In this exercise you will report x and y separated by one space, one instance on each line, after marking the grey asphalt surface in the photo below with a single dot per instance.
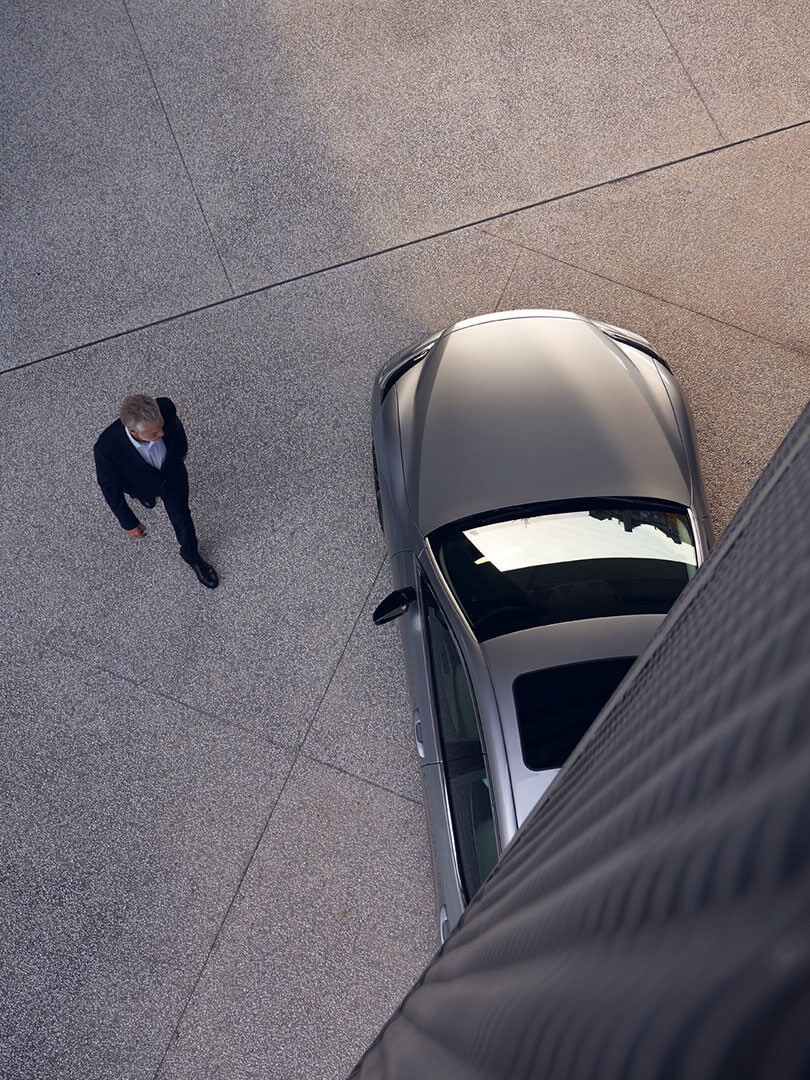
214 860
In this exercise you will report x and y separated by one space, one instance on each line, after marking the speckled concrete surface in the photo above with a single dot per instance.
724 235
128 821
100 228
331 896
392 121
363 724
747 61
213 850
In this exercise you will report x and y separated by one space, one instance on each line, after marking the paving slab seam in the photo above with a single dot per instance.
509 276
686 71
309 756
789 347
218 933
349 636
89 666
404 245
298 754
177 145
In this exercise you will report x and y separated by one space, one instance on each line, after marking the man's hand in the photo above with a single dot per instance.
138 532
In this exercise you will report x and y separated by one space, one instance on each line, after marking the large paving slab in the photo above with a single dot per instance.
363 725
100 228
725 235
315 132
328 933
747 61
127 824
745 391
275 392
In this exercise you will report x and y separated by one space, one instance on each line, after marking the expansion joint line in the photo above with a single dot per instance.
413 243
179 151
686 71
296 757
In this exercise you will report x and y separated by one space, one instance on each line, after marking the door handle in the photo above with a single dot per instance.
417 733
443 935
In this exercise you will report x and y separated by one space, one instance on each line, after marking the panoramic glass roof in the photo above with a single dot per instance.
556 706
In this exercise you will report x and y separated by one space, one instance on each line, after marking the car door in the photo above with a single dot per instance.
453 765
405 575
457 786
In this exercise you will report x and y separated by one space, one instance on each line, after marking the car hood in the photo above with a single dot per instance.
534 407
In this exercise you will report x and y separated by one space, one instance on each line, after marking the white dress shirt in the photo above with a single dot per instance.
154 453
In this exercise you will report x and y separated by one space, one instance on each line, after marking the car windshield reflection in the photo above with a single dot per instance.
583 562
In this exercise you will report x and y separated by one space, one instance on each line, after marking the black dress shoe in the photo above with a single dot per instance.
206 574
148 503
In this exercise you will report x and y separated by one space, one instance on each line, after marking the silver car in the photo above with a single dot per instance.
540 495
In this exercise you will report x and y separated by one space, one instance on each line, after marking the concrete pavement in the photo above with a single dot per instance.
214 862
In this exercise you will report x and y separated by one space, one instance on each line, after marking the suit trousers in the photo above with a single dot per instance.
176 503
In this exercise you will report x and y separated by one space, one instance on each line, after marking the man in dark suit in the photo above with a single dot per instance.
141 454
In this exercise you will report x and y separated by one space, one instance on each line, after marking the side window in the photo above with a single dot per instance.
455 709
462 751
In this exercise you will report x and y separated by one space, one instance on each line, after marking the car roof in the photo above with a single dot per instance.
512 655
527 407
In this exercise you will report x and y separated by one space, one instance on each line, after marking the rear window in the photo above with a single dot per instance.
556 706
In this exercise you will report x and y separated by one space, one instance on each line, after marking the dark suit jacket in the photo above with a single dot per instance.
120 468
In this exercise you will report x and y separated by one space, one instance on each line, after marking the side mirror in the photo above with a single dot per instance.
394 605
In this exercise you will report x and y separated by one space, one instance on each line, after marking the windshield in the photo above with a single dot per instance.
605 558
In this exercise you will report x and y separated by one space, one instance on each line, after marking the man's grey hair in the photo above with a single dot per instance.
139 410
